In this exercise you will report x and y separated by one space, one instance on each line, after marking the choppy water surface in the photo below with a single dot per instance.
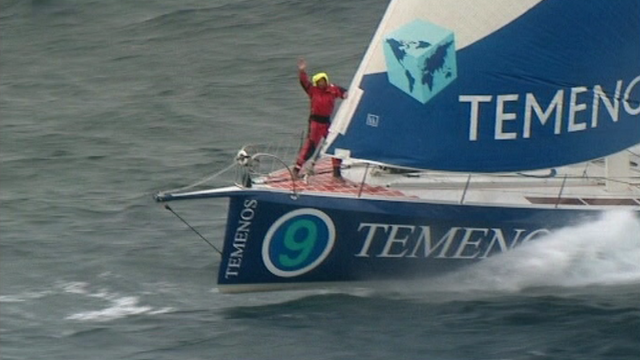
103 103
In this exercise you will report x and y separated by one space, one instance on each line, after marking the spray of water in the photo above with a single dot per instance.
605 252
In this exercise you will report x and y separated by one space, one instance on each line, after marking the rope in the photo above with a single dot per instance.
191 227
632 153
203 180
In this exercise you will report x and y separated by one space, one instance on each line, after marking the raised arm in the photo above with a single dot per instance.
302 74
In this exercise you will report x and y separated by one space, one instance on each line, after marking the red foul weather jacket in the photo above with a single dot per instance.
322 100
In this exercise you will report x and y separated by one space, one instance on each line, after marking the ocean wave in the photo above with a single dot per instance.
118 307
583 259
603 252
23 297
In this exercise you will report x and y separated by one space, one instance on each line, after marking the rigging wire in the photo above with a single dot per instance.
633 153
166 206
203 180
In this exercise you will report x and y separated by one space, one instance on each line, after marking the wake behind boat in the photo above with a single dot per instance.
465 134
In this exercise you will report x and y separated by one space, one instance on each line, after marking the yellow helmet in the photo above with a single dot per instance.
319 76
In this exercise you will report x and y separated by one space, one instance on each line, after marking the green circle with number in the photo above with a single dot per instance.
298 242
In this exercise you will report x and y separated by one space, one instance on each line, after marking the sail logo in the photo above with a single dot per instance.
580 108
298 242
421 59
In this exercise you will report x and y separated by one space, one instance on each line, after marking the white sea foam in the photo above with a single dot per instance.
118 306
75 287
26 296
603 252
600 253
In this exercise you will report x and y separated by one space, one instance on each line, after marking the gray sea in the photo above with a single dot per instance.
103 103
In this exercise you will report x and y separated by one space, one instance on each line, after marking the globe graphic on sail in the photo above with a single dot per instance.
421 59
429 67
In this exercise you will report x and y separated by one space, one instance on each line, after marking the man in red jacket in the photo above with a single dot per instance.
323 96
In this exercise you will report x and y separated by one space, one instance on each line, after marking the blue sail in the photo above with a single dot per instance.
556 84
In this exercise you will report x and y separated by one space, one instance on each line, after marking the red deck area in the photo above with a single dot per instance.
322 181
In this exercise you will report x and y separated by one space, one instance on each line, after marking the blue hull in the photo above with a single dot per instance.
275 241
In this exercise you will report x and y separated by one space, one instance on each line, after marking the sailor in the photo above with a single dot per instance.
322 95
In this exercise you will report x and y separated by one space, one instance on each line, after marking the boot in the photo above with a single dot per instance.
337 174
296 172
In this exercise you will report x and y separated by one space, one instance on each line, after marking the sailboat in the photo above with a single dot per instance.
472 127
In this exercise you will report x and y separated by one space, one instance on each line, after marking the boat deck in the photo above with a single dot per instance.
576 187
322 181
